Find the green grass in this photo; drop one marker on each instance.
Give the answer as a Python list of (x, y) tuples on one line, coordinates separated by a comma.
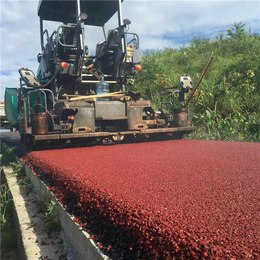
[(7, 155), (19, 170), (6, 206)]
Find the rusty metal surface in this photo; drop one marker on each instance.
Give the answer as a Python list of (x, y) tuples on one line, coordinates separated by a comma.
[(83, 135), (135, 117), (150, 122), (180, 117), (168, 130), (139, 103), (159, 130), (110, 109), (81, 129), (140, 126), (84, 118), (46, 137), (134, 132), (112, 118), (187, 130), (76, 104), (39, 123)]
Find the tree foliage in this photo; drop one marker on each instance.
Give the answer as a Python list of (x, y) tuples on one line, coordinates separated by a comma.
[(226, 105)]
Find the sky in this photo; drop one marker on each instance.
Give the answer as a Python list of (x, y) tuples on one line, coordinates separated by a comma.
[(159, 24)]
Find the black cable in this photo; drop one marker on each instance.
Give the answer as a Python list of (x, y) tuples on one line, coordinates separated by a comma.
[(43, 86)]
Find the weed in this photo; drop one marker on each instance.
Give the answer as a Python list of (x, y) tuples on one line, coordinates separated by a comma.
[(7, 155), (27, 186), (6, 205), (53, 225), (235, 127), (18, 169), (50, 207), (25, 181)]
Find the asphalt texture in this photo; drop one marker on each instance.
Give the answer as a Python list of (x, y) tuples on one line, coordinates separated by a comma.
[(181, 199)]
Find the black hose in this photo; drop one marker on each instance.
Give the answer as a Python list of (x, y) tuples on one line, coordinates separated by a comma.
[(43, 86)]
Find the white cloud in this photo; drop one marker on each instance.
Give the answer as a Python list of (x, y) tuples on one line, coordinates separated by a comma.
[(158, 23)]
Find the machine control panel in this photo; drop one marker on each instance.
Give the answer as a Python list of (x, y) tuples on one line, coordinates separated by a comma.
[(186, 83), (29, 78)]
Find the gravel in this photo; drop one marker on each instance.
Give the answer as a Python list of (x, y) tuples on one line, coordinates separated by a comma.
[(183, 199)]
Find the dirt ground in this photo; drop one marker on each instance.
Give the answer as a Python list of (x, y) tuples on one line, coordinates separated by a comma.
[(41, 236)]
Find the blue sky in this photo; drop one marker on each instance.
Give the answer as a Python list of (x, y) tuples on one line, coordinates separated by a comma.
[(159, 24)]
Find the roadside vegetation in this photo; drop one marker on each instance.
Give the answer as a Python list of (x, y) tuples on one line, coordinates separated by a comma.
[(7, 157), (8, 233), (226, 104), (8, 236)]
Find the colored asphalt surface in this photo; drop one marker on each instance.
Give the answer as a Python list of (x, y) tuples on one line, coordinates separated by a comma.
[(178, 199)]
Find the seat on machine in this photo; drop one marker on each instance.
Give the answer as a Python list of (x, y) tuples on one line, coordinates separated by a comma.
[(100, 49), (106, 52), (68, 43)]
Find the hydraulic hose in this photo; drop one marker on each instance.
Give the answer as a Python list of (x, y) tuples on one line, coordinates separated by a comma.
[(53, 77)]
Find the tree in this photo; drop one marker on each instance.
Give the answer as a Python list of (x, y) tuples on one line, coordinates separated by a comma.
[(237, 30)]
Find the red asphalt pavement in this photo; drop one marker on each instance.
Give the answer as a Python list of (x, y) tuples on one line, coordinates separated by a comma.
[(189, 199)]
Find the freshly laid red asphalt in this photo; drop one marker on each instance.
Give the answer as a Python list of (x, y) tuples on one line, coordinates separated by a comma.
[(183, 199)]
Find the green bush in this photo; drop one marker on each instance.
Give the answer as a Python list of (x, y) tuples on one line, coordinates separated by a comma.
[(226, 104)]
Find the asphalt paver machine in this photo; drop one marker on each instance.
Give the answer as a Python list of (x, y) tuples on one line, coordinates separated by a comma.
[(76, 95)]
